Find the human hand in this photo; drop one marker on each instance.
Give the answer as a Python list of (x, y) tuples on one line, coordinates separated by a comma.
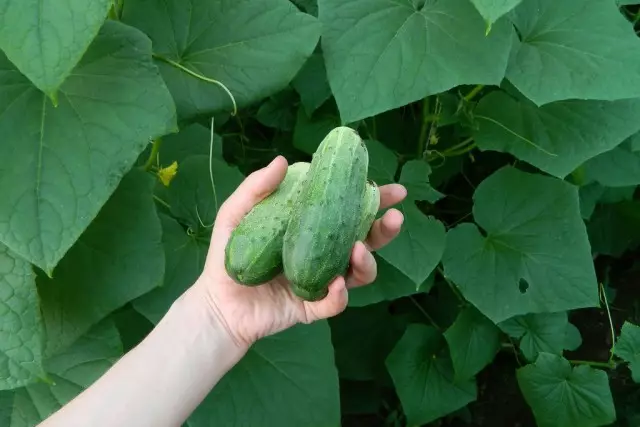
[(250, 313)]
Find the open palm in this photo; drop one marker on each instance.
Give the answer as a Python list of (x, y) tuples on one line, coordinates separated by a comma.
[(250, 313)]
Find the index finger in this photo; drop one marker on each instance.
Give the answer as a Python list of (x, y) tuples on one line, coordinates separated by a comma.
[(391, 194)]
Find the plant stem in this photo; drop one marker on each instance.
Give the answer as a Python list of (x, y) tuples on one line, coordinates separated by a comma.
[(606, 365), (162, 202), (423, 311), (613, 333), (200, 77), (425, 126), (457, 146), (460, 152), (472, 94), (155, 149), (455, 290)]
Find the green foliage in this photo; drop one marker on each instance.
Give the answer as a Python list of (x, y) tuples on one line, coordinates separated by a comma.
[(69, 372), (492, 10), (541, 333), (252, 47), (62, 162), (364, 43), (557, 137), (107, 267), (565, 396), (20, 350), (628, 348), (473, 342), (299, 362), (513, 125), (619, 167), (46, 41), (558, 37), (535, 255), (422, 372)]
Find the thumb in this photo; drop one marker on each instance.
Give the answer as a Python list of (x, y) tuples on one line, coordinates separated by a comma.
[(253, 189)]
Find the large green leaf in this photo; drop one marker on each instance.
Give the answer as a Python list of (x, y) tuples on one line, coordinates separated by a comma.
[(20, 323), (419, 246), (191, 140), (473, 343), (414, 256), (562, 396), (253, 47), (278, 111), (285, 380), (615, 228), (533, 255), (417, 250), (118, 258), (415, 178), (71, 371), (422, 372), (557, 138), (45, 40), (634, 142), (589, 196), (6, 407), (594, 193), (184, 260), (382, 163), (311, 83), (383, 54), (60, 165), (574, 50), (619, 167), (309, 132), (539, 333), (390, 284), (191, 194), (492, 10), (628, 348)]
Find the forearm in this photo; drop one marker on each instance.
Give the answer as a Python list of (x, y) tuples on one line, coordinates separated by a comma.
[(161, 381)]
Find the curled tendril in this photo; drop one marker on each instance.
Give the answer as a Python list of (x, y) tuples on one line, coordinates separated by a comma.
[(213, 185), (440, 155)]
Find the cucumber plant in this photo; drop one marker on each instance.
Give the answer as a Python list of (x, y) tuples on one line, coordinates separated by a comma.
[(508, 298)]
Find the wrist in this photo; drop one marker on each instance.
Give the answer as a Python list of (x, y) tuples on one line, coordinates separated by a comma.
[(201, 314), (171, 371)]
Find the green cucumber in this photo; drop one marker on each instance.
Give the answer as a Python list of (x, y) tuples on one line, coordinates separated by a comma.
[(370, 207), (324, 224), (254, 252)]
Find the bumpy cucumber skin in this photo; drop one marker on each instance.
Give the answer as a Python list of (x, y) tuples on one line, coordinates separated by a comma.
[(254, 252), (324, 224), (370, 206)]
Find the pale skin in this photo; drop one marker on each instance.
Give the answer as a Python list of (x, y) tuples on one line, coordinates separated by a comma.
[(213, 324)]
